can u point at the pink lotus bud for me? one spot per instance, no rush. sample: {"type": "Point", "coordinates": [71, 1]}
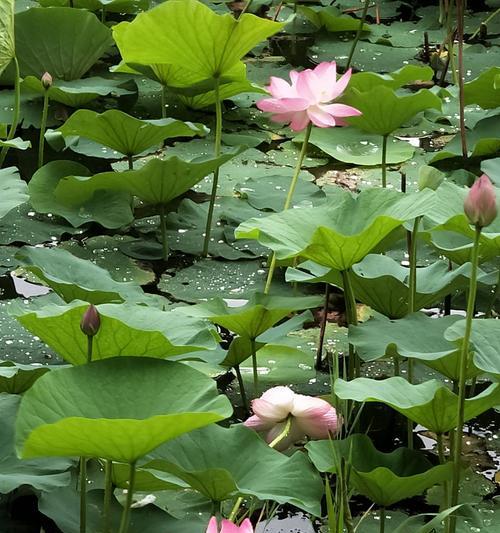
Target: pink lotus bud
{"type": "Point", "coordinates": [480, 204]}
{"type": "Point", "coordinates": [46, 80]}
{"type": "Point", "coordinates": [91, 322]}
{"type": "Point", "coordinates": [229, 527]}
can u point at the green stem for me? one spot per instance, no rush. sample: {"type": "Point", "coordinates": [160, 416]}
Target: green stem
{"type": "Point", "coordinates": [358, 33]}
{"type": "Point", "coordinates": [461, 96]}
{"type": "Point", "coordinates": [491, 306]}
{"type": "Point", "coordinates": [382, 519]}
{"type": "Point", "coordinates": [217, 150]}
{"type": "Point", "coordinates": [442, 461]}
{"type": "Point", "coordinates": [90, 347]}
{"type": "Point", "coordinates": [464, 358]}
{"type": "Point", "coordinates": [289, 198]}
{"type": "Point", "coordinates": [43, 125]}
{"type": "Point", "coordinates": [163, 101]}
{"type": "Point", "coordinates": [397, 368]}
{"type": "Point", "coordinates": [125, 521]}
{"type": "Point", "coordinates": [163, 230]}
{"type": "Point", "coordinates": [485, 21]}
{"type": "Point", "coordinates": [255, 368]}
{"type": "Point", "coordinates": [130, 161]}
{"type": "Point", "coordinates": [17, 111]}
{"type": "Point", "coordinates": [412, 283]}
{"type": "Point", "coordinates": [352, 320]}
{"type": "Point", "coordinates": [83, 494]}
{"type": "Point", "coordinates": [283, 434]}
{"type": "Point", "coordinates": [108, 492]}
{"type": "Point", "coordinates": [322, 331]}
{"type": "Point", "coordinates": [384, 161]}
{"type": "Point", "coordinates": [235, 509]}
{"type": "Point", "coordinates": [244, 398]}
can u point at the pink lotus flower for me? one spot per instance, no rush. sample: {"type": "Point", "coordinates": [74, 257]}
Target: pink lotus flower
{"type": "Point", "coordinates": [480, 204]}
{"type": "Point", "coordinates": [308, 98]}
{"type": "Point", "coordinates": [229, 527]}
{"type": "Point", "coordinates": [311, 417]}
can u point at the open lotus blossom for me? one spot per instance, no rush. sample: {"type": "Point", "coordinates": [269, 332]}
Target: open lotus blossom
{"type": "Point", "coordinates": [229, 527]}
{"type": "Point", "coordinates": [309, 98]}
{"type": "Point", "coordinates": [480, 205]}
{"type": "Point", "coordinates": [310, 417]}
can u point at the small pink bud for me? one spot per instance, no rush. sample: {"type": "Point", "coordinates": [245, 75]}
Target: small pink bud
{"type": "Point", "coordinates": [46, 80]}
{"type": "Point", "coordinates": [91, 321]}
{"type": "Point", "coordinates": [480, 204]}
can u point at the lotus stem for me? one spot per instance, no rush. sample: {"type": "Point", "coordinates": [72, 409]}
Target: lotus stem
{"type": "Point", "coordinates": [442, 460]}
{"type": "Point", "coordinates": [255, 368]}
{"type": "Point", "coordinates": [83, 494]}
{"type": "Point", "coordinates": [125, 521]}
{"type": "Point", "coordinates": [163, 101]}
{"type": "Point", "coordinates": [485, 22]}
{"type": "Point", "coordinates": [322, 331]}
{"type": "Point", "coordinates": [108, 492]}
{"type": "Point", "coordinates": [461, 97]}
{"type": "Point", "coordinates": [352, 320]}
{"type": "Point", "coordinates": [382, 519]}
{"type": "Point", "coordinates": [217, 150]}
{"type": "Point", "coordinates": [17, 111]}
{"type": "Point", "coordinates": [163, 230]}
{"type": "Point", "coordinates": [384, 161]}
{"type": "Point", "coordinates": [491, 306]}
{"type": "Point", "coordinates": [289, 198]}
{"type": "Point", "coordinates": [283, 434]}
{"type": "Point", "coordinates": [241, 384]}
{"type": "Point", "coordinates": [130, 161]}
{"type": "Point", "coordinates": [358, 33]}
{"type": "Point", "coordinates": [235, 509]}
{"type": "Point", "coordinates": [464, 359]}
{"type": "Point", "coordinates": [90, 347]}
{"type": "Point", "coordinates": [43, 126]}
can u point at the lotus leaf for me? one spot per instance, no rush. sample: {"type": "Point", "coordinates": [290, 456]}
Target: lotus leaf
{"type": "Point", "coordinates": [482, 90]}
{"type": "Point", "coordinates": [126, 330]}
{"type": "Point", "coordinates": [7, 46]}
{"type": "Point", "coordinates": [119, 409]}
{"type": "Point", "coordinates": [430, 404]}
{"type": "Point", "coordinates": [385, 478]}
{"type": "Point", "coordinates": [337, 235]}
{"type": "Point", "coordinates": [13, 190]}
{"type": "Point", "coordinates": [16, 378]}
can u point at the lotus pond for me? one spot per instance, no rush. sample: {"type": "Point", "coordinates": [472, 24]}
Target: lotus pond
{"type": "Point", "coordinates": [249, 266]}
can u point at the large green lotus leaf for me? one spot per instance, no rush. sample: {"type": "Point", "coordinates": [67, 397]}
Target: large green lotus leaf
{"type": "Point", "coordinates": [13, 190]}
{"type": "Point", "coordinates": [118, 409]}
{"type": "Point", "coordinates": [205, 44]}
{"type": "Point", "coordinates": [352, 145]}
{"type": "Point", "coordinates": [124, 133]}
{"type": "Point", "coordinates": [365, 81]}
{"type": "Point", "coordinates": [331, 18]}
{"type": "Point", "coordinates": [337, 235]}
{"type": "Point", "coordinates": [258, 315]}
{"type": "Point", "coordinates": [482, 90]}
{"type": "Point", "coordinates": [384, 111]}
{"type": "Point", "coordinates": [42, 473]}
{"type": "Point", "coordinates": [16, 378]}
{"type": "Point", "coordinates": [7, 46]}
{"type": "Point", "coordinates": [110, 6]}
{"type": "Point", "coordinates": [205, 459]}
{"type": "Point", "coordinates": [417, 336]}
{"type": "Point", "coordinates": [111, 209]}
{"type": "Point", "coordinates": [159, 181]}
{"type": "Point", "coordinates": [385, 478]}
{"type": "Point", "coordinates": [56, 40]}
{"type": "Point", "coordinates": [76, 93]}
{"type": "Point", "coordinates": [485, 338]}
{"type": "Point", "coordinates": [491, 167]}
{"type": "Point", "coordinates": [73, 278]}
{"type": "Point", "coordinates": [126, 330]}
{"type": "Point", "coordinates": [16, 143]}
{"type": "Point", "coordinates": [382, 283]}
{"type": "Point", "coordinates": [430, 404]}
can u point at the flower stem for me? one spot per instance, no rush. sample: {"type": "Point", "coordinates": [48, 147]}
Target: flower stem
{"type": "Point", "coordinates": [289, 198]}
{"type": "Point", "coordinates": [83, 494]}
{"type": "Point", "coordinates": [163, 230]}
{"type": "Point", "coordinates": [358, 33]}
{"type": "Point", "coordinates": [90, 347]}
{"type": "Point", "coordinates": [382, 519]}
{"type": "Point", "coordinates": [125, 520]}
{"type": "Point", "coordinates": [464, 359]}
{"type": "Point", "coordinates": [384, 161]}
{"type": "Point", "coordinates": [130, 161]}
{"type": "Point", "coordinates": [17, 111]}
{"type": "Point", "coordinates": [244, 398]}
{"type": "Point", "coordinates": [255, 368]}
{"type": "Point", "coordinates": [461, 97]}
{"type": "Point", "coordinates": [163, 101]}
{"type": "Point", "coordinates": [217, 150]}
{"type": "Point", "coordinates": [235, 509]}
{"type": "Point", "coordinates": [324, 321]}
{"type": "Point", "coordinates": [352, 320]}
{"type": "Point", "coordinates": [43, 125]}
{"type": "Point", "coordinates": [442, 461]}
{"type": "Point", "coordinates": [108, 492]}
{"type": "Point", "coordinates": [283, 434]}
